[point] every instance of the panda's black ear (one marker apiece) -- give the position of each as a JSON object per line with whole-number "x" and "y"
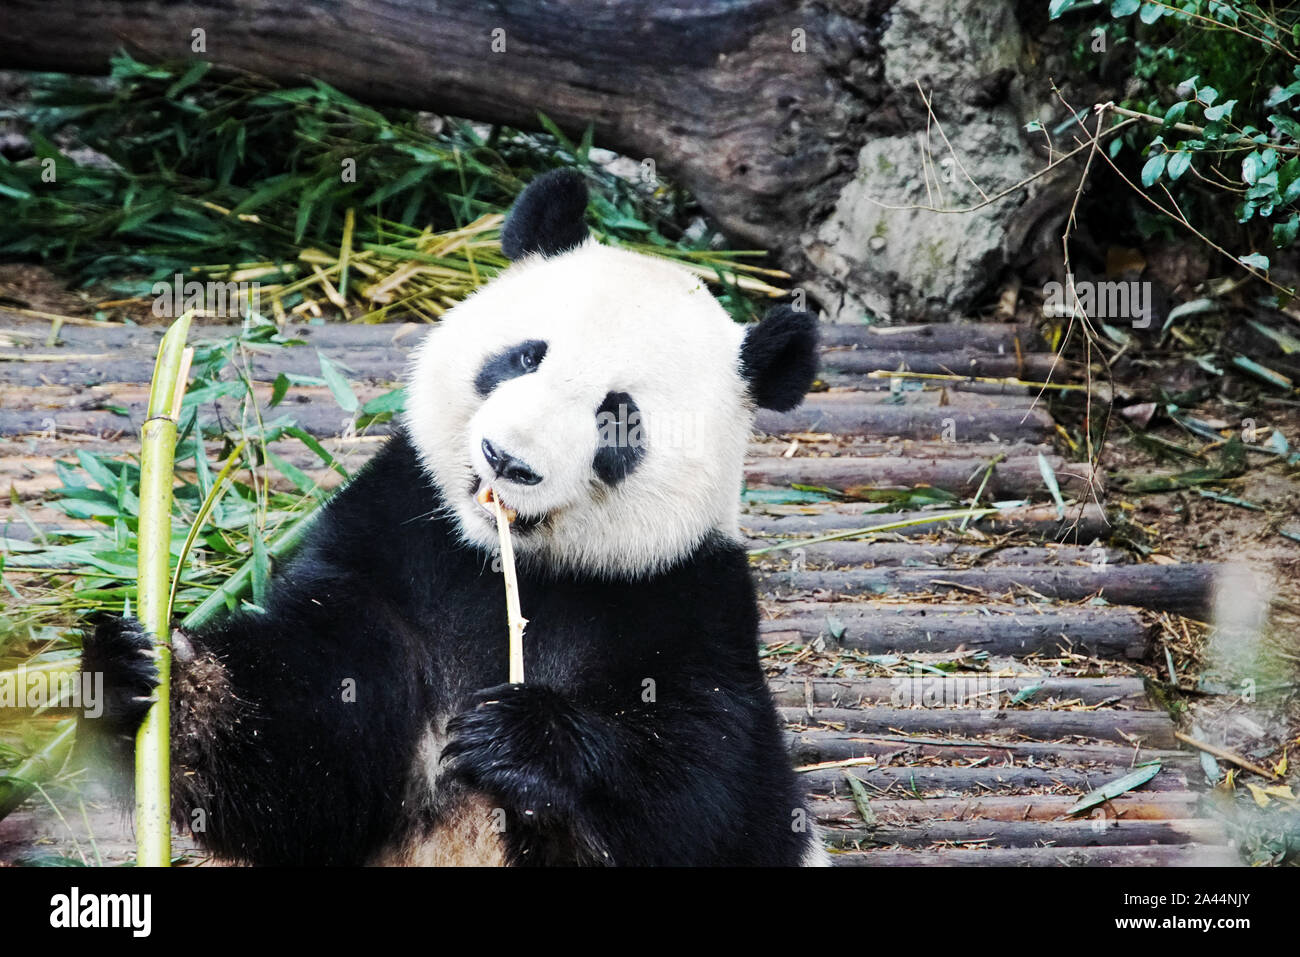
{"x": 779, "y": 358}
{"x": 547, "y": 216}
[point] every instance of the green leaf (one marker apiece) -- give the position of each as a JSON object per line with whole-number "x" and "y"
{"x": 190, "y": 77}
{"x": 338, "y": 385}
{"x": 309, "y": 440}
{"x": 1114, "y": 789}
{"x": 1285, "y": 341}
{"x": 1286, "y": 124}
{"x": 393, "y": 401}
{"x": 1252, "y": 167}
{"x": 261, "y": 567}
{"x": 1049, "y": 479}
{"x": 1263, "y": 372}
{"x": 1124, "y": 8}
{"x": 304, "y": 482}
{"x": 1153, "y": 169}
{"x": 549, "y": 125}
{"x": 270, "y": 189}
{"x": 1178, "y": 164}
{"x": 861, "y": 800}
{"x": 1222, "y": 111}
{"x": 1025, "y": 693}
{"x": 1254, "y": 260}
{"x": 279, "y": 389}
{"x": 1151, "y": 13}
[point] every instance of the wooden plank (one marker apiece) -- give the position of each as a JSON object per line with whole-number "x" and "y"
{"x": 1153, "y": 728}
{"x": 1013, "y": 477}
{"x": 1185, "y": 589}
{"x": 849, "y": 414}
{"x": 817, "y": 747}
{"x": 1016, "y": 630}
{"x": 936, "y": 554}
{"x": 1136, "y": 805}
{"x": 1155, "y": 855}
{"x": 897, "y": 782}
{"x": 944, "y": 691}
{"x": 1033, "y": 366}
{"x": 983, "y": 336}
{"x": 1097, "y": 832}
{"x": 1082, "y": 523}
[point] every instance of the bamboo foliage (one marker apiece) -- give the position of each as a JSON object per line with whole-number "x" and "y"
{"x": 157, "y": 454}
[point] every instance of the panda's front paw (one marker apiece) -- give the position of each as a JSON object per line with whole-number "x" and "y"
{"x": 526, "y": 746}
{"x": 120, "y": 658}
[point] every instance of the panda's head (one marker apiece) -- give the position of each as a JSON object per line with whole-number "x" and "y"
{"x": 605, "y": 396}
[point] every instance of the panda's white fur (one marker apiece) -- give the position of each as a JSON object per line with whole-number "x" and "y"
{"x": 613, "y": 321}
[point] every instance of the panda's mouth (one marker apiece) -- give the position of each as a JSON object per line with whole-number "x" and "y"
{"x": 520, "y": 524}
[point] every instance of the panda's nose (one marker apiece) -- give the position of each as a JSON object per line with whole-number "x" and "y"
{"x": 508, "y": 467}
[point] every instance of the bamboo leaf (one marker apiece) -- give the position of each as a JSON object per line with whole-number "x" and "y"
{"x": 338, "y": 385}
{"x": 1114, "y": 789}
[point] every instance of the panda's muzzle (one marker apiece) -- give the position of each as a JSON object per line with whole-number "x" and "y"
{"x": 508, "y": 467}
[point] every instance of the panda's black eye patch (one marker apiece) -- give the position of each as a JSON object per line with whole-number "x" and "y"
{"x": 509, "y": 364}
{"x": 620, "y": 438}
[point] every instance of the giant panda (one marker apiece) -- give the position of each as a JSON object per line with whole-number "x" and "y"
{"x": 363, "y": 716}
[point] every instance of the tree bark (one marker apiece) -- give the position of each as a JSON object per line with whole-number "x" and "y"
{"x": 715, "y": 92}
{"x": 800, "y": 125}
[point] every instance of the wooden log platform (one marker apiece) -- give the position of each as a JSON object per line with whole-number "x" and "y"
{"x": 973, "y": 677}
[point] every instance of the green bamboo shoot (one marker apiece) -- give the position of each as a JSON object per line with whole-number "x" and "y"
{"x": 157, "y": 457}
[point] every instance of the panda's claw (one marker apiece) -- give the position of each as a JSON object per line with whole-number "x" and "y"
{"x": 516, "y": 742}
{"x": 122, "y": 652}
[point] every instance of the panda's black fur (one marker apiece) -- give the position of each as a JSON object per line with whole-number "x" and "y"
{"x": 644, "y": 733}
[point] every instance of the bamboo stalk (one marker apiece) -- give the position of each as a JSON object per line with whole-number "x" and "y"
{"x": 513, "y": 614}
{"x": 1225, "y": 754}
{"x": 217, "y": 490}
{"x": 345, "y": 250}
{"x": 157, "y": 457}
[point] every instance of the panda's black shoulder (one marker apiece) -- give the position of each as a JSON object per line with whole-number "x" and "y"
{"x": 376, "y": 516}
{"x": 704, "y": 602}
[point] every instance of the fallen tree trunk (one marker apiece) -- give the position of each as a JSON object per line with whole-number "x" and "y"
{"x": 764, "y": 109}
{"x": 758, "y": 120}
